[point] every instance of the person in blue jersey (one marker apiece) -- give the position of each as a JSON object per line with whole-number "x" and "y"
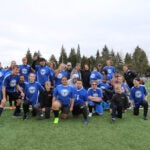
{"x": 11, "y": 87}
{"x": 107, "y": 93}
{"x": 63, "y": 99}
{"x": 95, "y": 75}
{"x": 80, "y": 104}
{"x": 2, "y": 74}
{"x": 118, "y": 104}
{"x": 138, "y": 96}
{"x": 45, "y": 101}
{"x": 94, "y": 99}
{"x": 32, "y": 91}
{"x": 25, "y": 69}
{"x": 59, "y": 74}
{"x": 106, "y": 75}
{"x": 8, "y": 71}
{"x": 110, "y": 69}
{"x": 43, "y": 72}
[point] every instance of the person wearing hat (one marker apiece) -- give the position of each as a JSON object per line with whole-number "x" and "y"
{"x": 43, "y": 72}
{"x": 138, "y": 96}
{"x": 68, "y": 69}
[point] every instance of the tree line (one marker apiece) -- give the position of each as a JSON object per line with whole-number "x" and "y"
{"x": 137, "y": 61}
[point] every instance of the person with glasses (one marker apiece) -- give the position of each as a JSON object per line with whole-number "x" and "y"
{"x": 94, "y": 99}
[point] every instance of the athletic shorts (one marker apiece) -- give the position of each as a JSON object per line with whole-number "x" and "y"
{"x": 13, "y": 96}
{"x": 65, "y": 109}
{"x": 77, "y": 109}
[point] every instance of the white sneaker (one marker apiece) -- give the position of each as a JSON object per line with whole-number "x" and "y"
{"x": 90, "y": 115}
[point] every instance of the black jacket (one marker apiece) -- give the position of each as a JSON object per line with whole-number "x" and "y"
{"x": 119, "y": 100}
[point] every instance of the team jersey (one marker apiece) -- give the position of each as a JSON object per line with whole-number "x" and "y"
{"x": 95, "y": 93}
{"x": 125, "y": 88}
{"x": 64, "y": 94}
{"x": 32, "y": 91}
{"x": 59, "y": 77}
{"x": 110, "y": 70}
{"x": 103, "y": 85}
{"x": 10, "y": 81}
{"x": 43, "y": 74}
{"x": 137, "y": 94}
{"x": 95, "y": 75}
{"x": 2, "y": 74}
{"x": 80, "y": 96}
{"x": 25, "y": 70}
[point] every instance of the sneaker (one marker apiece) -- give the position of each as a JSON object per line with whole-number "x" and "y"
{"x": 113, "y": 120}
{"x": 145, "y": 118}
{"x": 86, "y": 121}
{"x": 90, "y": 115}
{"x": 56, "y": 120}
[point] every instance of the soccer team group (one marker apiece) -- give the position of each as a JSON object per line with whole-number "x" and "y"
{"x": 46, "y": 89}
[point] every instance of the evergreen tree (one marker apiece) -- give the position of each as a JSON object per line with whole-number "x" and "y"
{"x": 78, "y": 55}
{"x": 72, "y": 57}
{"x": 113, "y": 57}
{"x": 52, "y": 58}
{"x": 85, "y": 60}
{"x": 29, "y": 56}
{"x": 119, "y": 62}
{"x": 63, "y": 56}
{"x": 105, "y": 55}
{"x": 128, "y": 59}
{"x": 98, "y": 57}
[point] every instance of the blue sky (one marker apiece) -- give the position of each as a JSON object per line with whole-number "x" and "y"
{"x": 47, "y": 24}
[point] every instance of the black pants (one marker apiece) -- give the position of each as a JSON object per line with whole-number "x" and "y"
{"x": 145, "y": 106}
{"x": 26, "y": 106}
{"x": 116, "y": 111}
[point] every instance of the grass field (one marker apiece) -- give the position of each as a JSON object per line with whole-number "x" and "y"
{"x": 130, "y": 133}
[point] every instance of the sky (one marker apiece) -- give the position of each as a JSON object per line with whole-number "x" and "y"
{"x": 46, "y": 25}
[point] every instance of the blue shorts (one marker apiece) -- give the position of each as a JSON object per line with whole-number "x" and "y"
{"x": 97, "y": 107}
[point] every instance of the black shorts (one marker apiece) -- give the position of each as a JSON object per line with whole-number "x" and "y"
{"x": 78, "y": 109}
{"x": 65, "y": 109}
{"x": 13, "y": 96}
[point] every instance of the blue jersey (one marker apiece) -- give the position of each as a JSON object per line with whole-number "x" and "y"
{"x": 137, "y": 94}
{"x": 125, "y": 88}
{"x": 32, "y": 91}
{"x": 10, "y": 82}
{"x": 58, "y": 78}
{"x": 25, "y": 70}
{"x": 110, "y": 70}
{"x": 9, "y": 71}
{"x": 80, "y": 96}
{"x": 103, "y": 85}
{"x": 64, "y": 94}
{"x": 43, "y": 74}
{"x": 95, "y": 75}
{"x": 2, "y": 74}
{"x": 95, "y": 93}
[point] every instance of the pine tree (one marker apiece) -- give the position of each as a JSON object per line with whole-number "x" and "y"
{"x": 29, "y": 57}
{"x": 119, "y": 62}
{"x": 105, "y": 55}
{"x": 78, "y": 55}
{"x": 63, "y": 56}
{"x": 128, "y": 59}
{"x": 98, "y": 57}
{"x": 72, "y": 57}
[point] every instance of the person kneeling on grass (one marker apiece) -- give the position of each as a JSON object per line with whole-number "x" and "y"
{"x": 94, "y": 99}
{"x": 118, "y": 104}
{"x": 80, "y": 104}
{"x": 45, "y": 101}
{"x": 32, "y": 90}
{"x": 63, "y": 99}
{"x": 138, "y": 96}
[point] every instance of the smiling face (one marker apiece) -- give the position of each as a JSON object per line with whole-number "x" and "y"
{"x": 64, "y": 81}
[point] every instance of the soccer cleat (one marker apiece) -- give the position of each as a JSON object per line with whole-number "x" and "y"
{"x": 90, "y": 114}
{"x": 145, "y": 118}
{"x": 56, "y": 120}
{"x": 86, "y": 121}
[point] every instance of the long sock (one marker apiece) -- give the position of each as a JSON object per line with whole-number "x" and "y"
{"x": 90, "y": 108}
{"x": 84, "y": 112}
{"x": 56, "y": 113}
{"x": 1, "y": 110}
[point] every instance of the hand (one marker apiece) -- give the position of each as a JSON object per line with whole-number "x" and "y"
{"x": 22, "y": 94}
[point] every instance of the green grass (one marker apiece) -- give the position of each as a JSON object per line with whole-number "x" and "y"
{"x": 129, "y": 133}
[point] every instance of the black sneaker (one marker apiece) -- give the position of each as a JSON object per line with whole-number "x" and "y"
{"x": 145, "y": 118}
{"x": 17, "y": 115}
